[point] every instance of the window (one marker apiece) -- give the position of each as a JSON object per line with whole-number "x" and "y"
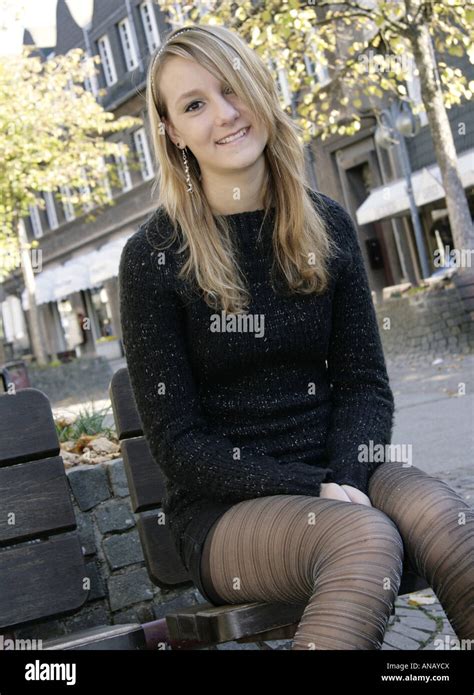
{"x": 36, "y": 221}
{"x": 141, "y": 146}
{"x": 319, "y": 70}
{"x": 50, "y": 210}
{"x": 123, "y": 171}
{"x": 85, "y": 192}
{"x": 105, "y": 180}
{"x": 285, "y": 90}
{"x": 107, "y": 59}
{"x": 149, "y": 26}
{"x": 68, "y": 207}
{"x": 128, "y": 46}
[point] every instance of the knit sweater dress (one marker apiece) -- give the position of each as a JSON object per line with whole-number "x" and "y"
{"x": 274, "y": 405}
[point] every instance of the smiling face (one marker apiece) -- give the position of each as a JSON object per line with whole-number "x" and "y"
{"x": 212, "y": 112}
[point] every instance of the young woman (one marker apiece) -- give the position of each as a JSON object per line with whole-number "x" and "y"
{"x": 258, "y": 371}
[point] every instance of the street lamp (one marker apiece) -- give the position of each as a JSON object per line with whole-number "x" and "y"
{"x": 396, "y": 123}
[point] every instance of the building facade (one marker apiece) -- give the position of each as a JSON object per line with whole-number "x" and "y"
{"x": 80, "y": 259}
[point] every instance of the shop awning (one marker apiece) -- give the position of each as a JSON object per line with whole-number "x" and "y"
{"x": 392, "y": 199}
{"x": 72, "y": 277}
{"x": 104, "y": 263}
{"x": 84, "y": 272}
{"x": 44, "y": 286}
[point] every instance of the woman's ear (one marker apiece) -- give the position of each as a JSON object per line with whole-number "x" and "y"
{"x": 170, "y": 130}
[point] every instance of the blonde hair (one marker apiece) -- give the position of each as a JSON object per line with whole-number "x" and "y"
{"x": 299, "y": 231}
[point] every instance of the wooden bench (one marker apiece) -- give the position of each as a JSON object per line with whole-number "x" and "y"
{"x": 202, "y": 624}
{"x": 42, "y": 569}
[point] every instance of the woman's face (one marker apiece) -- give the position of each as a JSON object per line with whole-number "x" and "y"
{"x": 210, "y": 114}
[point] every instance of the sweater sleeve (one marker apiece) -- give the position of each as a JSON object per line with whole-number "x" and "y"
{"x": 181, "y": 441}
{"x": 363, "y": 403}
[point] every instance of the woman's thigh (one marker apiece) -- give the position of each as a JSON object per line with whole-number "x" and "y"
{"x": 277, "y": 548}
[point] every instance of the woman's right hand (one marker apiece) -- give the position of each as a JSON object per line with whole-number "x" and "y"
{"x": 334, "y": 491}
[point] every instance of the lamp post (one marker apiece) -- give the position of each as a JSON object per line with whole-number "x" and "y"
{"x": 396, "y": 123}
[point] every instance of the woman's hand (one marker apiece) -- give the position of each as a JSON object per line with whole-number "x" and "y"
{"x": 334, "y": 491}
{"x": 356, "y": 495}
{"x": 346, "y": 493}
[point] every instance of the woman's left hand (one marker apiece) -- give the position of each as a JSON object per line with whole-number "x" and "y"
{"x": 356, "y": 495}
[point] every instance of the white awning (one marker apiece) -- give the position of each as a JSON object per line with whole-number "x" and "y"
{"x": 104, "y": 263}
{"x": 84, "y": 272}
{"x": 392, "y": 199}
{"x": 72, "y": 277}
{"x": 44, "y": 288}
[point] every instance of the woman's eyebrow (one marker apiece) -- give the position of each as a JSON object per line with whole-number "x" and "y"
{"x": 186, "y": 95}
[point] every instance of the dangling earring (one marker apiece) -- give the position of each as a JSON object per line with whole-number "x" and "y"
{"x": 186, "y": 168}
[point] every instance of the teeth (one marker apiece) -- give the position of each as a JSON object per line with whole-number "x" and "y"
{"x": 233, "y": 137}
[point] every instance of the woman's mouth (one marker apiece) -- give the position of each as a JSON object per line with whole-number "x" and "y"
{"x": 238, "y": 137}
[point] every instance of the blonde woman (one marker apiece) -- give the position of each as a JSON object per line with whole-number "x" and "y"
{"x": 258, "y": 371}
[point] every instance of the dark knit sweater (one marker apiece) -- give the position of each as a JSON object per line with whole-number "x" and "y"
{"x": 251, "y": 411}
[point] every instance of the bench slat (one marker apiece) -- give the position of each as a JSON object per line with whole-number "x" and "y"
{"x": 162, "y": 560}
{"x": 217, "y": 624}
{"x": 126, "y": 416}
{"x": 41, "y": 579}
{"x": 37, "y": 493}
{"x": 27, "y": 430}
{"x": 146, "y": 481}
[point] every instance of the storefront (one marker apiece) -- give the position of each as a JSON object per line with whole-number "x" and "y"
{"x": 391, "y": 201}
{"x": 78, "y": 304}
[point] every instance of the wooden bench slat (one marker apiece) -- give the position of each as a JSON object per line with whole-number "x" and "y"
{"x": 27, "y": 430}
{"x": 37, "y": 494}
{"x": 146, "y": 481}
{"x": 41, "y": 579}
{"x": 126, "y": 416}
{"x": 217, "y": 624}
{"x": 162, "y": 560}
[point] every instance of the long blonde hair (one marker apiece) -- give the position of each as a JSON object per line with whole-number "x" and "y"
{"x": 301, "y": 243}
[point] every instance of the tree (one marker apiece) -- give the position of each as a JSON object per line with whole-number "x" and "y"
{"x": 53, "y": 133}
{"x": 352, "y": 38}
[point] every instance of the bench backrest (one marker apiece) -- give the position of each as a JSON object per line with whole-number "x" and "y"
{"x": 146, "y": 483}
{"x": 42, "y": 569}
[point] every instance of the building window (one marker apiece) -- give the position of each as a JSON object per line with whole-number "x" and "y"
{"x": 285, "y": 90}
{"x": 51, "y": 210}
{"x": 318, "y": 70}
{"x": 107, "y": 59}
{"x": 123, "y": 171}
{"x": 143, "y": 151}
{"x": 36, "y": 221}
{"x": 128, "y": 47}
{"x": 68, "y": 207}
{"x": 149, "y": 26}
{"x": 105, "y": 179}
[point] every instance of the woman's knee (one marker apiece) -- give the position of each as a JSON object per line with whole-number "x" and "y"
{"x": 367, "y": 528}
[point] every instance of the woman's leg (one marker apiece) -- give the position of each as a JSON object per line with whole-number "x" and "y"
{"x": 343, "y": 560}
{"x": 437, "y": 528}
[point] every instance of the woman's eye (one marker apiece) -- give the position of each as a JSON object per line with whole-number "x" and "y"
{"x": 192, "y": 104}
{"x": 188, "y": 108}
